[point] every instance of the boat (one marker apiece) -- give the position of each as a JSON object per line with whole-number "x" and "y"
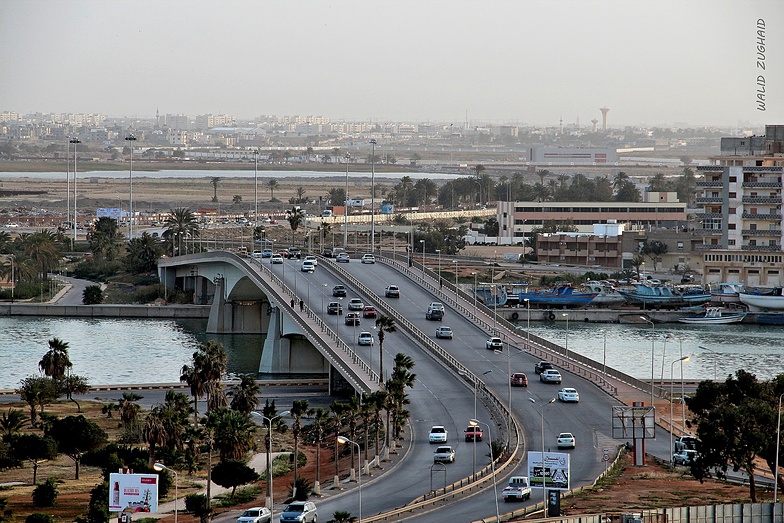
{"x": 770, "y": 319}
{"x": 727, "y": 293}
{"x": 606, "y": 295}
{"x": 714, "y": 315}
{"x": 759, "y": 302}
{"x": 491, "y": 295}
{"x": 662, "y": 296}
{"x": 558, "y": 296}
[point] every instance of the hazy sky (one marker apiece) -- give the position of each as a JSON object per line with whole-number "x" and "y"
{"x": 657, "y": 62}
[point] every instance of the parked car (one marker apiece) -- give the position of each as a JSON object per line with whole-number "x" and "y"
{"x": 307, "y": 266}
{"x": 256, "y": 515}
{"x": 276, "y": 259}
{"x": 519, "y": 379}
{"x": 369, "y": 312}
{"x": 568, "y": 395}
{"x": 473, "y": 433}
{"x": 684, "y": 457}
{"x": 365, "y": 338}
{"x": 299, "y": 512}
{"x": 342, "y": 258}
{"x": 334, "y": 307}
{"x": 542, "y": 366}
{"x": 392, "y": 291}
{"x": 550, "y": 376}
{"x": 444, "y": 332}
{"x": 368, "y": 258}
{"x": 565, "y": 440}
{"x": 339, "y": 291}
{"x": 352, "y": 318}
{"x": 444, "y": 454}
{"x": 438, "y": 434}
{"x": 355, "y": 304}
{"x": 494, "y": 343}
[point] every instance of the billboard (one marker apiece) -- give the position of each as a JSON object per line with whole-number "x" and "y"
{"x": 133, "y": 492}
{"x": 109, "y": 212}
{"x": 553, "y": 471}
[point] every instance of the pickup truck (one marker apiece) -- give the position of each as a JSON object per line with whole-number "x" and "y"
{"x": 542, "y": 366}
{"x": 518, "y": 489}
{"x": 473, "y": 434}
{"x": 685, "y": 443}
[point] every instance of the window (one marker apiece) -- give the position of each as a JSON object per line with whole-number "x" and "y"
{"x": 730, "y": 242}
{"x": 680, "y": 245}
{"x": 731, "y": 226}
{"x": 733, "y": 195}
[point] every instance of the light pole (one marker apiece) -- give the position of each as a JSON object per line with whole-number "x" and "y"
{"x": 345, "y": 207}
{"x": 130, "y": 138}
{"x": 74, "y": 141}
{"x": 255, "y": 189}
{"x": 672, "y": 382}
{"x": 527, "y": 320}
{"x": 715, "y": 357}
{"x": 476, "y": 423}
{"x": 466, "y": 373}
{"x": 544, "y": 482}
{"x": 778, "y": 446}
{"x": 372, "y": 206}
{"x": 158, "y": 466}
{"x": 438, "y": 251}
{"x": 68, "y": 179}
{"x": 653, "y": 347}
{"x": 423, "y": 258}
{"x": 343, "y": 440}
{"x": 669, "y": 336}
{"x": 270, "y": 490}
{"x": 474, "y": 275}
{"x": 566, "y": 315}
{"x": 455, "y": 262}
{"x": 509, "y": 387}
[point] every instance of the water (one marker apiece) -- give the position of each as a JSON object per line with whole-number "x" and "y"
{"x": 200, "y": 173}
{"x": 108, "y": 351}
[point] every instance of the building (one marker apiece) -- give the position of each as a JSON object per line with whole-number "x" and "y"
{"x": 601, "y": 249}
{"x": 572, "y": 156}
{"x": 740, "y": 198}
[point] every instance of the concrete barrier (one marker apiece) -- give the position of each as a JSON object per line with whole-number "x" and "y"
{"x": 106, "y": 311}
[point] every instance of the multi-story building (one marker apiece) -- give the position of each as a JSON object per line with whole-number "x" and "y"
{"x": 740, "y": 195}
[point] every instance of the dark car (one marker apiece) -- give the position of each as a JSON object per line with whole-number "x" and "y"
{"x": 334, "y": 307}
{"x": 352, "y": 318}
{"x": 543, "y": 366}
{"x": 339, "y": 290}
{"x": 519, "y": 379}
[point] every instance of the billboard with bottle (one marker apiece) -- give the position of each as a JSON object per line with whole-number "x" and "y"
{"x": 133, "y": 492}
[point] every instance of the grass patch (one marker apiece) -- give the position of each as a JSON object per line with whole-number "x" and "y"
{"x": 281, "y": 466}
{"x": 243, "y": 495}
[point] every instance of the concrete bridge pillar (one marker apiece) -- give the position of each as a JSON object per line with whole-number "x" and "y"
{"x": 234, "y": 317}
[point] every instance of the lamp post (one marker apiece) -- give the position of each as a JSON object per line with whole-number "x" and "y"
{"x": 372, "y": 205}
{"x": 270, "y": 490}
{"x": 778, "y": 446}
{"x": 466, "y": 373}
{"x": 474, "y": 275}
{"x": 438, "y": 251}
{"x": 343, "y": 440}
{"x": 544, "y": 490}
{"x": 527, "y": 320}
{"x": 74, "y": 141}
{"x": 345, "y": 207}
{"x": 715, "y": 357}
{"x": 669, "y": 336}
{"x": 672, "y": 382}
{"x": 476, "y": 423}
{"x": 509, "y": 387}
{"x": 255, "y": 188}
{"x": 130, "y": 139}
{"x": 68, "y": 179}
{"x": 653, "y": 346}
{"x": 423, "y": 258}
{"x": 158, "y": 466}
{"x": 455, "y": 262}
{"x": 566, "y": 315}
{"x": 495, "y": 306}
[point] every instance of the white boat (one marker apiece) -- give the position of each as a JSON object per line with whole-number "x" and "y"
{"x": 606, "y": 295}
{"x": 714, "y": 315}
{"x": 727, "y": 293}
{"x": 757, "y": 302}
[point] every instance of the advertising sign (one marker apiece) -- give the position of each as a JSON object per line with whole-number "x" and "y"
{"x": 552, "y": 472}
{"x": 133, "y": 492}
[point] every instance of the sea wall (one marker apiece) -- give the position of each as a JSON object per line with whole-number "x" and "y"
{"x": 106, "y": 311}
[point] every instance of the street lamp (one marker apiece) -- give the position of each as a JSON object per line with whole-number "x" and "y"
{"x": 715, "y": 357}
{"x": 130, "y": 138}
{"x": 455, "y": 262}
{"x": 544, "y": 490}
{"x": 653, "y": 347}
{"x": 255, "y": 189}
{"x": 528, "y": 320}
{"x": 474, "y": 275}
{"x": 438, "y": 251}
{"x": 423, "y": 258}
{"x": 158, "y": 466}
{"x": 672, "y": 382}
{"x": 270, "y": 490}
{"x": 465, "y": 373}
{"x": 343, "y": 440}
{"x": 345, "y": 207}
{"x": 778, "y": 444}
{"x": 476, "y": 423}
{"x": 68, "y": 179}
{"x": 372, "y": 206}
{"x": 566, "y": 315}
{"x": 509, "y": 386}
{"x": 74, "y": 141}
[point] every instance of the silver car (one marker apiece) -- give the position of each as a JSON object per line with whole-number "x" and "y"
{"x": 300, "y": 512}
{"x": 550, "y": 376}
{"x": 256, "y": 515}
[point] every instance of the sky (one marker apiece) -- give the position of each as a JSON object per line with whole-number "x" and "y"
{"x": 525, "y": 62}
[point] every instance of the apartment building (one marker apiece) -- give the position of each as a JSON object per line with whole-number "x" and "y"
{"x": 740, "y": 198}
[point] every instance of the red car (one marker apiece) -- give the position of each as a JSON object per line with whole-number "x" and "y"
{"x": 519, "y": 379}
{"x": 369, "y": 312}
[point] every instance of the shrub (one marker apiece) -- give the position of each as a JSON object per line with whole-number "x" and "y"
{"x": 45, "y": 494}
{"x": 39, "y": 517}
{"x": 303, "y": 489}
{"x": 92, "y": 295}
{"x": 196, "y": 504}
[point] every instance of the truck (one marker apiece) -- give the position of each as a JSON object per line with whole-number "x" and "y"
{"x": 473, "y": 434}
{"x": 685, "y": 443}
{"x": 518, "y": 489}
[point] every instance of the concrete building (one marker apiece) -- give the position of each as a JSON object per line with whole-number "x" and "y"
{"x": 572, "y": 156}
{"x": 740, "y": 195}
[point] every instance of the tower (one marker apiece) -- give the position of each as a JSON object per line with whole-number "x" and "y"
{"x": 594, "y": 122}
{"x": 604, "y": 111}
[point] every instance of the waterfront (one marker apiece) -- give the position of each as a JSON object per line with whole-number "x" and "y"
{"x": 153, "y": 351}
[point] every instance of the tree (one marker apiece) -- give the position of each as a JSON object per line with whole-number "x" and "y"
{"x": 236, "y": 199}
{"x": 342, "y": 516}
{"x": 76, "y": 435}
{"x": 384, "y": 324}
{"x": 37, "y": 391}
{"x": 199, "y": 506}
{"x": 45, "y": 494}
{"x": 272, "y": 184}
{"x": 299, "y": 408}
{"x": 181, "y": 224}
{"x": 233, "y": 431}
{"x": 33, "y": 448}
{"x": 143, "y": 253}
{"x": 320, "y": 420}
{"x": 654, "y": 249}
{"x": 245, "y": 395}
{"x": 105, "y": 238}
{"x": 491, "y": 227}
{"x": 166, "y": 425}
{"x": 232, "y": 473}
{"x": 295, "y": 219}
{"x": 214, "y": 181}
{"x": 129, "y": 416}
{"x": 205, "y": 373}
{"x": 56, "y": 361}
{"x": 12, "y": 422}
{"x": 92, "y": 295}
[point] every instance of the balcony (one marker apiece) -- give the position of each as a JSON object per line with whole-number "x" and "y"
{"x": 747, "y": 215}
{"x": 707, "y": 247}
{"x": 710, "y": 184}
{"x": 706, "y": 215}
{"x": 759, "y": 199}
{"x": 769, "y": 184}
{"x": 761, "y": 232}
{"x": 763, "y": 248}
{"x": 712, "y": 199}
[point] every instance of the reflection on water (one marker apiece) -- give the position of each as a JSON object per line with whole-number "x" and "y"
{"x": 754, "y": 348}
{"x": 116, "y": 351}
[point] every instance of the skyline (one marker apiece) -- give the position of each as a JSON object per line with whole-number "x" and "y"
{"x": 527, "y": 63}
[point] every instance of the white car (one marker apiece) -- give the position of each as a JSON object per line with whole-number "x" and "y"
{"x": 312, "y": 259}
{"x": 444, "y": 454}
{"x": 256, "y": 515}
{"x": 565, "y": 440}
{"x": 276, "y": 259}
{"x": 255, "y": 254}
{"x": 307, "y": 267}
{"x": 568, "y": 395}
{"x": 355, "y": 304}
{"x": 684, "y": 457}
{"x": 368, "y": 258}
{"x": 444, "y": 332}
{"x": 494, "y": 343}
{"x": 438, "y": 434}
{"x": 550, "y": 376}
{"x": 342, "y": 258}
{"x": 365, "y": 338}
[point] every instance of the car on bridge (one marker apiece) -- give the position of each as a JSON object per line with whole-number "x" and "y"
{"x": 352, "y": 318}
{"x": 392, "y": 291}
{"x": 276, "y": 259}
{"x": 565, "y": 440}
{"x": 473, "y": 433}
{"x": 307, "y": 266}
{"x": 312, "y": 259}
{"x": 494, "y": 343}
{"x": 435, "y": 311}
{"x": 369, "y": 312}
{"x": 444, "y": 333}
{"x": 342, "y": 258}
{"x": 339, "y": 291}
{"x": 518, "y": 379}
{"x": 368, "y": 258}
{"x": 444, "y": 454}
{"x": 365, "y": 338}
{"x": 543, "y": 366}
{"x": 568, "y": 395}
{"x": 355, "y": 304}
{"x": 334, "y": 307}
{"x": 550, "y": 376}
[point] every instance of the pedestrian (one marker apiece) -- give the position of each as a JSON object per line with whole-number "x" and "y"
{"x": 292, "y": 303}
{"x": 301, "y": 305}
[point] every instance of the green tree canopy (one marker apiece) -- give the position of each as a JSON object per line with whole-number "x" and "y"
{"x": 76, "y": 435}
{"x": 232, "y": 473}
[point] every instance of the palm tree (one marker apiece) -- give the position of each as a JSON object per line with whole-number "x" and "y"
{"x": 384, "y": 324}
{"x": 143, "y": 253}
{"x": 320, "y": 419}
{"x": 12, "y": 422}
{"x": 339, "y": 410}
{"x": 42, "y": 250}
{"x": 272, "y": 184}
{"x": 193, "y": 378}
{"x": 295, "y": 219}
{"x": 214, "y": 181}
{"x": 245, "y": 395}
{"x": 299, "y": 408}
{"x": 377, "y": 400}
{"x": 351, "y": 414}
{"x": 56, "y": 360}
{"x": 300, "y": 194}
{"x": 129, "y": 413}
{"x": 234, "y": 433}
{"x": 366, "y": 413}
{"x": 154, "y": 432}
{"x": 180, "y": 224}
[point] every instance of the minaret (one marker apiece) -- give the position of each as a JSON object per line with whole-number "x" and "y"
{"x": 560, "y": 126}
{"x": 604, "y": 111}
{"x": 157, "y": 118}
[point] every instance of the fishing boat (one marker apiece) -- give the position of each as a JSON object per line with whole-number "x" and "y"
{"x": 491, "y": 295}
{"x": 558, "y": 296}
{"x": 606, "y": 295}
{"x": 727, "y": 293}
{"x": 763, "y": 302}
{"x": 662, "y": 296}
{"x": 714, "y": 315}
